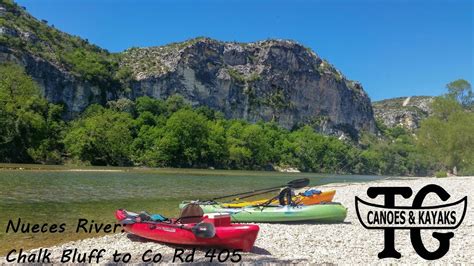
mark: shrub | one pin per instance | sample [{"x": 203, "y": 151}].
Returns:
[{"x": 441, "y": 174}]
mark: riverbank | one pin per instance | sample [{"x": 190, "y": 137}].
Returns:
[
  {"x": 138, "y": 169},
  {"x": 348, "y": 242}
]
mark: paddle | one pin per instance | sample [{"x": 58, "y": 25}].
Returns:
[
  {"x": 254, "y": 194},
  {"x": 297, "y": 183},
  {"x": 127, "y": 221}
]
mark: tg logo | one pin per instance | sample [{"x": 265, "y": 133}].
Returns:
[{"x": 390, "y": 217}]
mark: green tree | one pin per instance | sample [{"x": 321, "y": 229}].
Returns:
[
  {"x": 122, "y": 105},
  {"x": 50, "y": 149},
  {"x": 28, "y": 124},
  {"x": 148, "y": 104},
  {"x": 93, "y": 66},
  {"x": 306, "y": 148},
  {"x": 101, "y": 137},
  {"x": 210, "y": 113},
  {"x": 254, "y": 138},
  {"x": 185, "y": 138},
  {"x": 461, "y": 90},
  {"x": 176, "y": 102},
  {"x": 447, "y": 135},
  {"x": 393, "y": 153},
  {"x": 239, "y": 154},
  {"x": 217, "y": 152}
]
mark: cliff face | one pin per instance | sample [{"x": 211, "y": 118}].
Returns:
[
  {"x": 269, "y": 80},
  {"x": 404, "y": 111},
  {"x": 57, "y": 85},
  {"x": 57, "y": 61}
]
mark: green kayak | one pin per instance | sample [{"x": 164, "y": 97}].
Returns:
[{"x": 322, "y": 213}]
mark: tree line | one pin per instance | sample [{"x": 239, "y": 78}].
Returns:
[{"x": 172, "y": 133}]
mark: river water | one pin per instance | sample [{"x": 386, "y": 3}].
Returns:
[{"x": 56, "y": 195}]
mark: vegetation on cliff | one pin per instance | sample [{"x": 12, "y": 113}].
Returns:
[
  {"x": 172, "y": 133},
  {"x": 24, "y": 33},
  {"x": 271, "y": 80}
]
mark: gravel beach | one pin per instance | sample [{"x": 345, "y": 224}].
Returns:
[{"x": 345, "y": 243}]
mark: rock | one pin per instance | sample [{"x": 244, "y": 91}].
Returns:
[
  {"x": 272, "y": 80},
  {"x": 406, "y": 112},
  {"x": 284, "y": 169},
  {"x": 29, "y": 37},
  {"x": 5, "y": 31},
  {"x": 342, "y": 243},
  {"x": 57, "y": 85},
  {"x": 3, "y": 10}
]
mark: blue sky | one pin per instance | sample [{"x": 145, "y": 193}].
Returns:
[{"x": 393, "y": 47}]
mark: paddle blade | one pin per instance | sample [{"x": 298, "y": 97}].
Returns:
[
  {"x": 127, "y": 221},
  {"x": 204, "y": 230},
  {"x": 299, "y": 183}
]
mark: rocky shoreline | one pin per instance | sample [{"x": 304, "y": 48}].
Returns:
[{"x": 347, "y": 243}]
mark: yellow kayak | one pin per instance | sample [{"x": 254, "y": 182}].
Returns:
[{"x": 324, "y": 196}]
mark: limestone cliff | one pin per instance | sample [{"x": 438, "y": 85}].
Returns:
[
  {"x": 404, "y": 111},
  {"x": 272, "y": 80}
]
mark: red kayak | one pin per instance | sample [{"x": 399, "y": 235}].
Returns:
[{"x": 195, "y": 230}]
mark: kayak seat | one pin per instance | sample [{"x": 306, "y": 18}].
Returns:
[
  {"x": 286, "y": 197},
  {"x": 191, "y": 213}
]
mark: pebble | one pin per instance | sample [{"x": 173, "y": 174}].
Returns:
[{"x": 344, "y": 243}]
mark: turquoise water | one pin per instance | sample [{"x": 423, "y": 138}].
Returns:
[{"x": 59, "y": 195}]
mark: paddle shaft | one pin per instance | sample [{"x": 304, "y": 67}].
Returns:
[
  {"x": 180, "y": 226},
  {"x": 243, "y": 193},
  {"x": 295, "y": 183},
  {"x": 266, "y": 203},
  {"x": 255, "y": 194}
]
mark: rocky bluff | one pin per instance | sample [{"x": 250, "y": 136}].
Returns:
[
  {"x": 406, "y": 112},
  {"x": 272, "y": 80}
]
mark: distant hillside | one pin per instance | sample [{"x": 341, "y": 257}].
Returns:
[
  {"x": 272, "y": 80},
  {"x": 69, "y": 69},
  {"x": 403, "y": 111}
]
